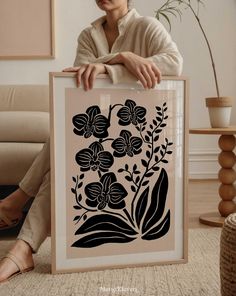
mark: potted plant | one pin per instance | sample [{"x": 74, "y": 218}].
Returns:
[{"x": 219, "y": 107}]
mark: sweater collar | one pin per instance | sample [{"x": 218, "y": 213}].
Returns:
[{"x": 122, "y": 22}]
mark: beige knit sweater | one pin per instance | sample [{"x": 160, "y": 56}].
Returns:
[{"x": 142, "y": 35}]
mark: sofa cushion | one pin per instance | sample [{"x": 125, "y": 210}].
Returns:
[
  {"x": 24, "y": 126},
  {"x": 24, "y": 98}
]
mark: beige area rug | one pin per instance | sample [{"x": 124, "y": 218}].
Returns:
[{"x": 199, "y": 277}]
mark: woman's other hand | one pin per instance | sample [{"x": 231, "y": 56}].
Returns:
[
  {"x": 144, "y": 70},
  {"x": 87, "y": 73}
]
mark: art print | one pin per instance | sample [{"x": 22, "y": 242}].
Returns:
[{"x": 121, "y": 151}]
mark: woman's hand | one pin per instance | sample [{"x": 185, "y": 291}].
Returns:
[
  {"x": 87, "y": 73},
  {"x": 144, "y": 70}
]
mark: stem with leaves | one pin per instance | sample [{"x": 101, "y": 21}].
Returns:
[{"x": 173, "y": 7}]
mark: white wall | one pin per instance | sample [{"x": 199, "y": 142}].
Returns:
[{"x": 219, "y": 19}]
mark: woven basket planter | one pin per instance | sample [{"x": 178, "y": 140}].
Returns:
[{"x": 228, "y": 257}]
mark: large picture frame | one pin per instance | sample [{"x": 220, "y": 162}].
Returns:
[
  {"x": 27, "y": 29},
  {"x": 118, "y": 174}
]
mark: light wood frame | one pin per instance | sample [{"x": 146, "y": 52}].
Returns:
[
  {"x": 57, "y": 78},
  {"x": 27, "y": 29}
]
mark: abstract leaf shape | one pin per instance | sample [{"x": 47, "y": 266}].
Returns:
[
  {"x": 158, "y": 200},
  {"x": 105, "y": 222},
  {"x": 97, "y": 239},
  {"x": 160, "y": 230},
  {"x": 141, "y": 206}
]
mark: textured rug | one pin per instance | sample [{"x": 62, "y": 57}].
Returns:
[{"x": 199, "y": 277}]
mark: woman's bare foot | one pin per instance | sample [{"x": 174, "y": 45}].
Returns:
[
  {"x": 12, "y": 205},
  {"x": 23, "y": 252}
]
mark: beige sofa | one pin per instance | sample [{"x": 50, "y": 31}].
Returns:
[{"x": 24, "y": 127}]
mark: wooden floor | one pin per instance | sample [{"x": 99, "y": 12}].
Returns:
[{"x": 202, "y": 198}]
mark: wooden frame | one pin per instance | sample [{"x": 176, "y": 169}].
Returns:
[
  {"x": 95, "y": 250},
  {"x": 27, "y": 29}
]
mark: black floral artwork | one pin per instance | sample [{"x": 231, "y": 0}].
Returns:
[
  {"x": 91, "y": 123},
  {"x": 95, "y": 158},
  {"x": 104, "y": 213},
  {"x": 107, "y": 192},
  {"x": 126, "y": 144},
  {"x": 131, "y": 113}
]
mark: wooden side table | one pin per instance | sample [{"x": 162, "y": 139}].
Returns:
[{"x": 226, "y": 175}]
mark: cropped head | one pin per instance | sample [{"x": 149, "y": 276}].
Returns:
[{"x": 108, "y": 5}]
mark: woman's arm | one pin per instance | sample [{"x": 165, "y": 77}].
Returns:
[{"x": 161, "y": 53}]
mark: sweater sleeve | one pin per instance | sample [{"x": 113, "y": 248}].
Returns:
[
  {"x": 86, "y": 50},
  {"x": 162, "y": 50},
  {"x": 87, "y": 53}
]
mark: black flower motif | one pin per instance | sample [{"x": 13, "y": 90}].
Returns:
[
  {"x": 94, "y": 158},
  {"x": 106, "y": 192},
  {"x": 91, "y": 123},
  {"x": 126, "y": 144},
  {"x": 131, "y": 113}
]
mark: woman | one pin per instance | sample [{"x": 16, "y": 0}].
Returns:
[{"x": 127, "y": 47}]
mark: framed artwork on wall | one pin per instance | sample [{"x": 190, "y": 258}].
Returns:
[
  {"x": 26, "y": 29},
  {"x": 118, "y": 174}
]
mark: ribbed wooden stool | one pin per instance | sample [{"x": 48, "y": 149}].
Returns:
[{"x": 228, "y": 257}]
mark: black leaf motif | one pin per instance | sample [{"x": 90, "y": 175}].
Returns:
[
  {"x": 137, "y": 179},
  {"x": 126, "y": 167},
  {"x": 73, "y": 191},
  {"x": 157, "y": 149},
  {"x": 164, "y": 161},
  {"x": 76, "y": 218},
  {"x": 156, "y": 168},
  {"x": 158, "y": 200},
  {"x": 80, "y": 185},
  {"x": 136, "y": 172},
  {"x": 145, "y": 183},
  {"x": 141, "y": 206},
  {"x": 128, "y": 178},
  {"x": 169, "y": 152},
  {"x": 156, "y": 158},
  {"x": 81, "y": 176},
  {"x": 80, "y": 197},
  {"x": 154, "y": 122},
  {"x": 135, "y": 167},
  {"x": 133, "y": 188},
  {"x": 158, "y": 108},
  {"x": 148, "y": 154},
  {"x": 147, "y": 138},
  {"x": 74, "y": 179},
  {"x": 105, "y": 222},
  {"x": 159, "y": 119},
  {"x": 163, "y": 125},
  {"x": 148, "y": 132},
  {"x": 156, "y": 138},
  {"x": 85, "y": 217},
  {"x": 77, "y": 207},
  {"x": 158, "y": 131},
  {"x": 144, "y": 163},
  {"x": 120, "y": 170},
  {"x": 148, "y": 175},
  {"x": 160, "y": 230},
  {"x": 97, "y": 239}
]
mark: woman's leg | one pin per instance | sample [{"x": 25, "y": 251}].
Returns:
[
  {"x": 35, "y": 229},
  {"x": 37, "y": 224},
  {"x": 13, "y": 204}
]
